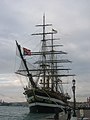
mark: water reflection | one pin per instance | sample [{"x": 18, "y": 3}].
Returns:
[{"x": 36, "y": 116}]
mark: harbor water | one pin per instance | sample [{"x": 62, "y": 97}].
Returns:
[{"x": 20, "y": 113}]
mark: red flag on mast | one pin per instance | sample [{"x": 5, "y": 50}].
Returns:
[{"x": 26, "y": 51}]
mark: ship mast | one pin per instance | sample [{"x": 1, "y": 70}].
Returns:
[
  {"x": 44, "y": 50},
  {"x": 53, "y": 67},
  {"x": 43, "y": 63},
  {"x": 52, "y": 63}
]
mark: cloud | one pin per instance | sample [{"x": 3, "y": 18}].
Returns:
[{"x": 11, "y": 88}]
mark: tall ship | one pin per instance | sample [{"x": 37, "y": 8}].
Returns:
[{"x": 44, "y": 90}]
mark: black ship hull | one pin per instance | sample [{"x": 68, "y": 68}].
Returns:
[
  {"x": 44, "y": 109},
  {"x": 42, "y": 101}
]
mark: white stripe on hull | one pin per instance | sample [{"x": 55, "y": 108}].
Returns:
[
  {"x": 48, "y": 98},
  {"x": 52, "y": 99},
  {"x": 45, "y": 104}
]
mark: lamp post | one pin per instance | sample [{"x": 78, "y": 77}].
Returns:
[{"x": 74, "y": 100}]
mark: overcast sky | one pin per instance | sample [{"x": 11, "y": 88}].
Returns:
[{"x": 71, "y": 18}]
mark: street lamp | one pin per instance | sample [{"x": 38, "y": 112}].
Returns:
[{"x": 74, "y": 100}]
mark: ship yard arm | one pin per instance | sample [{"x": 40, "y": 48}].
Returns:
[{"x": 24, "y": 61}]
